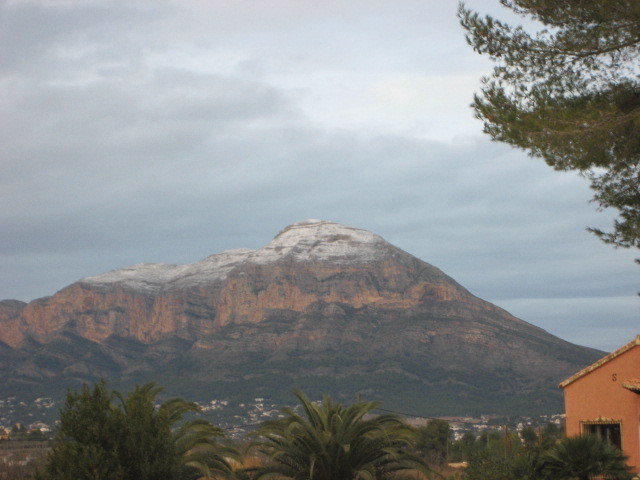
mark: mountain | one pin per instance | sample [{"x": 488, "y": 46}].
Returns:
[{"x": 323, "y": 307}]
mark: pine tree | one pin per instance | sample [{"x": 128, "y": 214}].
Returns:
[
  {"x": 570, "y": 94},
  {"x": 111, "y": 436},
  {"x": 433, "y": 440},
  {"x": 86, "y": 444}
]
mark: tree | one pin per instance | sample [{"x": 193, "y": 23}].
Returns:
[
  {"x": 145, "y": 449},
  {"x": 484, "y": 466},
  {"x": 464, "y": 448},
  {"x": 330, "y": 441},
  {"x": 85, "y": 445},
  {"x": 529, "y": 437},
  {"x": 551, "y": 434},
  {"x": 583, "y": 458},
  {"x": 105, "y": 435},
  {"x": 19, "y": 431},
  {"x": 502, "y": 456},
  {"x": 569, "y": 94},
  {"x": 196, "y": 444},
  {"x": 433, "y": 440},
  {"x": 543, "y": 437}
]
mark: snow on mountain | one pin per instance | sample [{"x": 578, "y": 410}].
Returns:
[
  {"x": 155, "y": 276},
  {"x": 310, "y": 240},
  {"x": 321, "y": 240}
]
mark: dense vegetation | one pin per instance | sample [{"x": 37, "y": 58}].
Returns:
[
  {"x": 579, "y": 458},
  {"x": 330, "y": 441},
  {"x": 107, "y": 435}
]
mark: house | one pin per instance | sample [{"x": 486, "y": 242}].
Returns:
[{"x": 604, "y": 399}]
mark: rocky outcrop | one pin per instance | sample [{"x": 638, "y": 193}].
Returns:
[
  {"x": 320, "y": 303},
  {"x": 11, "y": 322},
  {"x": 147, "y": 303}
]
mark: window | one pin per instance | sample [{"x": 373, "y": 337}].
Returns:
[{"x": 610, "y": 431}]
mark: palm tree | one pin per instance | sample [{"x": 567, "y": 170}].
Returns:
[
  {"x": 583, "y": 458},
  {"x": 194, "y": 443},
  {"x": 333, "y": 442}
]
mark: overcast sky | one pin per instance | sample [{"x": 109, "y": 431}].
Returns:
[{"x": 166, "y": 131}]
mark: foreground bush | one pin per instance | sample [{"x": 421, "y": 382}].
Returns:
[{"x": 583, "y": 458}]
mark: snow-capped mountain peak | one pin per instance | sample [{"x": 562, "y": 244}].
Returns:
[
  {"x": 309, "y": 240},
  {"x": 321, "y": 240}
]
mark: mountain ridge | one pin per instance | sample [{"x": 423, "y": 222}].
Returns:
[
  {"x": 321, "y": 301},
  {"x": 332, "y": 242}
]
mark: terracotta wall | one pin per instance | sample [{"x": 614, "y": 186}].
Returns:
[{"x": 599, "y": 395}]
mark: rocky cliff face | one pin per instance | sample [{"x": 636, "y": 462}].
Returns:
[
  {"x": 306, "y": 263},
  {"x": 320, "y": 301}
]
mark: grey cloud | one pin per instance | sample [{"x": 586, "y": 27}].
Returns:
[{"x": 43, "y": 37}]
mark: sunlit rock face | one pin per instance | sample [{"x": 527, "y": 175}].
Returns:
[
  {"x": 308, "y": 262},
  {"x": 320, "y": 300}
]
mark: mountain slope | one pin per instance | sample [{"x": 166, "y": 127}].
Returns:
[{"x": 324, "y": 307}]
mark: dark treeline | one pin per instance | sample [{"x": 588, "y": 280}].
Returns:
[{"x": 105, "y": 434}]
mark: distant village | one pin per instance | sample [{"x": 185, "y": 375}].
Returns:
[{"x": 38, "y": 419}]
